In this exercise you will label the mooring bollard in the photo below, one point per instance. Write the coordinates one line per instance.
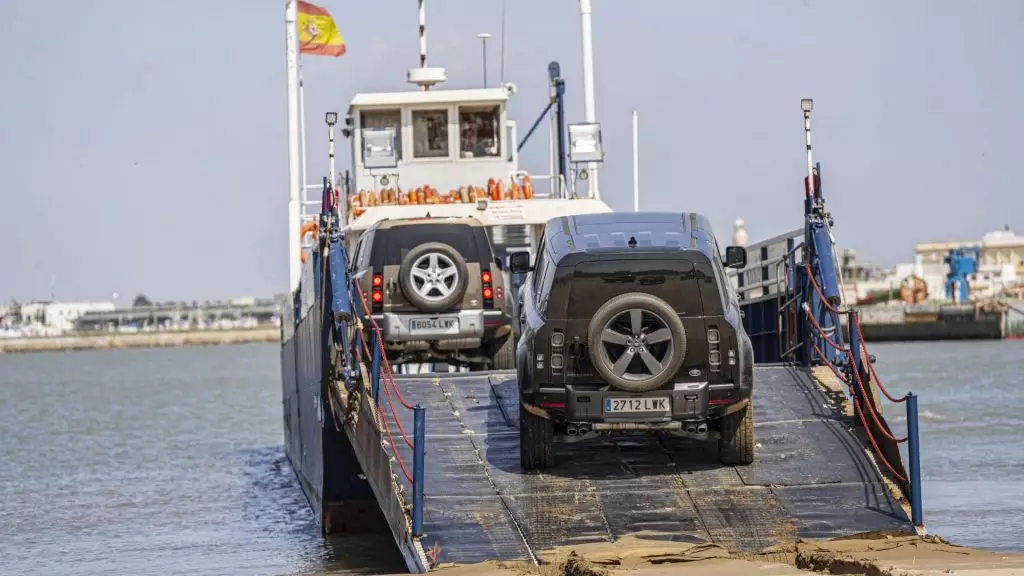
(375, 365)
(914, 453)
(419, 453)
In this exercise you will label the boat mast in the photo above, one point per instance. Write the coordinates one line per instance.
(589, 113)
(294, 172)
(425, 77)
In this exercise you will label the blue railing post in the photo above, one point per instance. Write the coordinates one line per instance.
(375, 364)
(419, 454)
(855, 365)
(914, 453)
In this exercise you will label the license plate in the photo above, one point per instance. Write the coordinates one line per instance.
(434, 325)
(620, 405)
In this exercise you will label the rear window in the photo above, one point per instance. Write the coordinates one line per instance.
(400, 240)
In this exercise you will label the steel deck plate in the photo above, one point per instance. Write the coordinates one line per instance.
(811, 479)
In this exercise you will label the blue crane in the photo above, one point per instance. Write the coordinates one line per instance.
(962, 263)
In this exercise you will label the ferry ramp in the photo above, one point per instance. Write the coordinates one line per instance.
(812, 477)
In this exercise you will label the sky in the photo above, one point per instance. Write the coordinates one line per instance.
(143, 143)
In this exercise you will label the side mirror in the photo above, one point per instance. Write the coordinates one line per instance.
(735, 257)
(519, 262)
(498, 263)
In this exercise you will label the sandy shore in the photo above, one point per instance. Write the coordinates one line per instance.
(872, 555)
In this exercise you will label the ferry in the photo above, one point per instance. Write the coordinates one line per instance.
(430, 455)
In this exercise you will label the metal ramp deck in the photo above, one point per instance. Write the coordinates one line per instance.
(812, 477)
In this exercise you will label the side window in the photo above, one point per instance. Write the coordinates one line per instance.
(480, 134)
(724, 284)
(353, 258)
(363, 255)
(430, 133)
(545, 286)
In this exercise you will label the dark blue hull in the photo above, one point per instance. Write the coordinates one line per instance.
(317, 448)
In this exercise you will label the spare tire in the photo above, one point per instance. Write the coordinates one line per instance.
(433, 277)
(636, 342)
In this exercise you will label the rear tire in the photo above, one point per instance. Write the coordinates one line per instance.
(736, 442)
(504, 357)
(536, 441)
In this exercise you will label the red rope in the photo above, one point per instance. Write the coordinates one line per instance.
(871, 367)
(821, 295)
(821, 332)
(391, 402)
(394, 449)
(864, 423)
(830, 365)
(383, 357)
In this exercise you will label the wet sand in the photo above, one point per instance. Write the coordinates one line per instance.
(874, 555)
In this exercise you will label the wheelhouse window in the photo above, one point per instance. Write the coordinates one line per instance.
(480, 131)
(430, 133)
(385, 119)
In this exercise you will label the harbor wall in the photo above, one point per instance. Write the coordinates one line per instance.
(954, 322)
(156, 339)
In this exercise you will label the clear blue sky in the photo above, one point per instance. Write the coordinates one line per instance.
(143, 148)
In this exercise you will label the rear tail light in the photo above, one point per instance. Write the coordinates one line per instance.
(714, 356)
(557, 341)
(487, 290)
(732, 357)
(377, 295)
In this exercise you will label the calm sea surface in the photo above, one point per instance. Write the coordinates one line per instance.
(169, 461)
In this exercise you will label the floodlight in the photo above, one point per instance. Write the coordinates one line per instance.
(379, 148)
(807, 104)
(585, 142)
(332, 118)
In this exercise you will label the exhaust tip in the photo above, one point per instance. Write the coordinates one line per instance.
(691, 428)
(701, 429)
(571, 431)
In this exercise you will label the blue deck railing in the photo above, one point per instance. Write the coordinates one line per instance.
(791, 295)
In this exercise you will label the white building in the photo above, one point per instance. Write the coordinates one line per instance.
(53, 318)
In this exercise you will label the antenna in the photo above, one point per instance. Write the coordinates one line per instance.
(425, 77)
(502, 74)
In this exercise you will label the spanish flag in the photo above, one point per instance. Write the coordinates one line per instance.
(317, 32)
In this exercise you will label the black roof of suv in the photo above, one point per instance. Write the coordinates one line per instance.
(630, 321)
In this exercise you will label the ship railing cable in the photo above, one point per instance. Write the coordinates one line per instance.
(863, 404)
(381, 372)
(854, 321)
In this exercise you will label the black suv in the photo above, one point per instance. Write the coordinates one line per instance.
(629, 322)
(437, 292)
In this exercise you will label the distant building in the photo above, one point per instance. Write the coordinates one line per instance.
(1001, 266)
(52, 318)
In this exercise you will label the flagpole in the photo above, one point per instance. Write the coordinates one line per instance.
(294, 247)
(304, 196)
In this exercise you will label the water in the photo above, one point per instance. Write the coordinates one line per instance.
(972, 434)
(163, 461)
(169, 461)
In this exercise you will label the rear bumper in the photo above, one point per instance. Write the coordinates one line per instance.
(471, 324)
(688, 402)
